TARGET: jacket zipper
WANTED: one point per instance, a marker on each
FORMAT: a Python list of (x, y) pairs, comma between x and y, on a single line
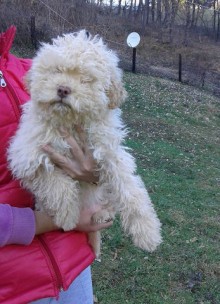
[(15, 103), (56, 271), (4, 83), (2, 80)]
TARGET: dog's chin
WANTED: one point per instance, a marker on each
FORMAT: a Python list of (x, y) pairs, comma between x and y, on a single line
[(60, 106)]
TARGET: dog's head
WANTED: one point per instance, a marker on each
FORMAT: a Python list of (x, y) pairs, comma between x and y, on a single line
[(76, 72)]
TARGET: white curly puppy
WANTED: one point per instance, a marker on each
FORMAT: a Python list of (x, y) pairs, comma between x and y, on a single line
[(76, 80)]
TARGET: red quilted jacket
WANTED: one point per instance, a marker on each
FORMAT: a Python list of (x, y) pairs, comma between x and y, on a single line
[(53, 260)]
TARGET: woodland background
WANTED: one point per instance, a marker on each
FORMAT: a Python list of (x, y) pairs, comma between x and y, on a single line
[(167, 28)]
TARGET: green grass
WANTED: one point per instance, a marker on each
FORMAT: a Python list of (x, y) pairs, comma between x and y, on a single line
[(174, 136)]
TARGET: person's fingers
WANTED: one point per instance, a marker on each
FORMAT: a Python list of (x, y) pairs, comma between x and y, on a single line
[(69, 166), (80, 151), (97, 227), (81, 134), (75, 148), (82, 137), (56, 157)]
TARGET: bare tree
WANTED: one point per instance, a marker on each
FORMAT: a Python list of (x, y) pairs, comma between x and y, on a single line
[(131, 8), (111, 5), (174, 10), (159, 11), (119, 7), (140, 8), (166, 12), (193, 14), (187, 23), (218, 27)]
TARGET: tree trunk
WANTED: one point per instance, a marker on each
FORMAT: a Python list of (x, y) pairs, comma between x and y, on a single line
[(218, 27), (159, 13), (140, 8), (131, 8), (153, 10), (187, 25), (144, 19), (147, 5), (193, 14), (166, 12), (174, 10), (110, 5), (119, 7)]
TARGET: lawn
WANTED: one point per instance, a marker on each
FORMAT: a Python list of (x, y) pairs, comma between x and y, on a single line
[(174, 135)]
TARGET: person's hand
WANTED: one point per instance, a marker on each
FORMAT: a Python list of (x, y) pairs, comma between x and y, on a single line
[(44, 223), (86, 222), (82, 165)]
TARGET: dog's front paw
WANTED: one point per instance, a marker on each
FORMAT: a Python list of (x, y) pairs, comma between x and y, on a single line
[(103, 216)]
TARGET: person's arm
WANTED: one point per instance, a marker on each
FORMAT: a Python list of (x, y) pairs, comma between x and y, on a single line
[(44, 223), (17, 225), (20, 225)]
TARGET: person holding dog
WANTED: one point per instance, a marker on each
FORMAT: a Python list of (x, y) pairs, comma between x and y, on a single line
[(39, 263), (14, 220)]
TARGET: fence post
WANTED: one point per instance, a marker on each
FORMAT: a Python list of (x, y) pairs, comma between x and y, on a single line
[(33, 32), (203, 78), (180, 68), (134, 60)]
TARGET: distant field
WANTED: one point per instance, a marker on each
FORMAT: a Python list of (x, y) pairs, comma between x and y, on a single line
[(174, 135)]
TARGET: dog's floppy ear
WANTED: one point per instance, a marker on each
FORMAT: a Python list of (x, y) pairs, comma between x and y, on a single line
[(116, 94)]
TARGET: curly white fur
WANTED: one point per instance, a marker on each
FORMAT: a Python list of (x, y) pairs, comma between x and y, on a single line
[(88, 71)]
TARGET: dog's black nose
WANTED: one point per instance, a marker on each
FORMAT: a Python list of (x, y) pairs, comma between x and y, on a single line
[(63, 91)]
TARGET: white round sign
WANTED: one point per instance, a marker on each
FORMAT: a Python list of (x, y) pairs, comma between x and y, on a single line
[(133, 39)]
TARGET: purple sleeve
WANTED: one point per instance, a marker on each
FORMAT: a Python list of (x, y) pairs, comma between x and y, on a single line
[(17, 225)]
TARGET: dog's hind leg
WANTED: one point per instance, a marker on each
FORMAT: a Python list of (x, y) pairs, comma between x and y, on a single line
[(138, 216), (137, 213), (95, 242)]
